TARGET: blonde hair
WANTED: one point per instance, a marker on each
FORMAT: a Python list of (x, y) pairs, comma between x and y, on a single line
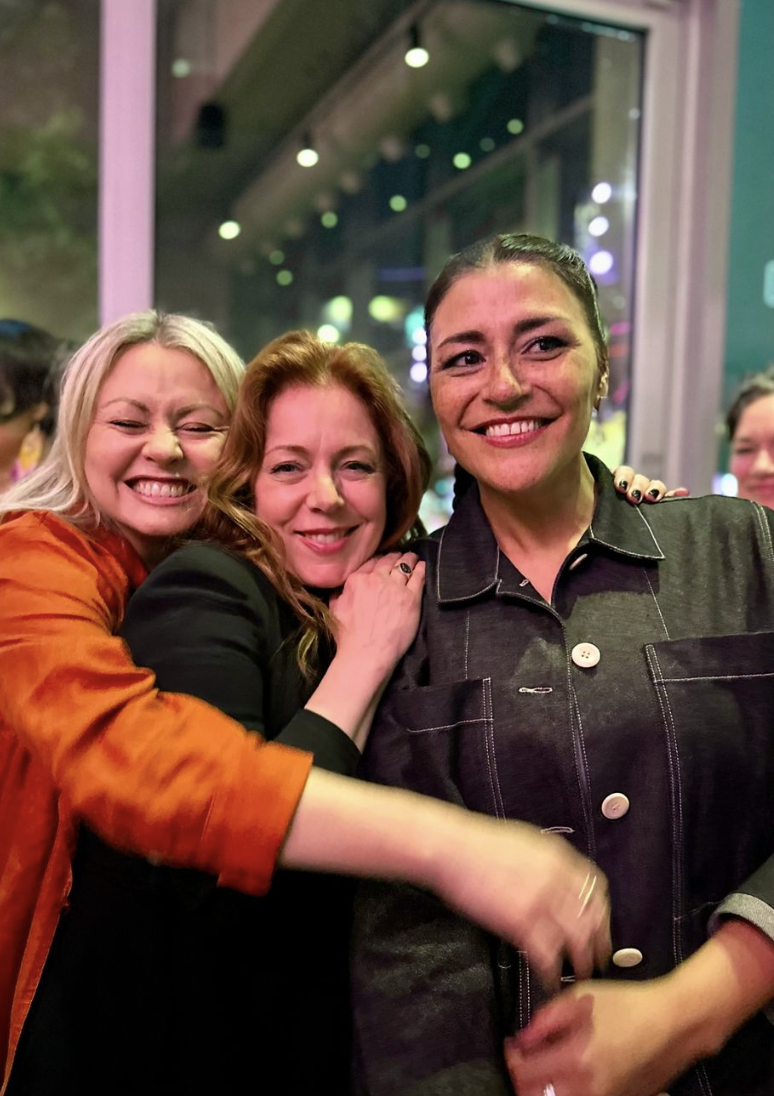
[(59, 486), (300, 358)]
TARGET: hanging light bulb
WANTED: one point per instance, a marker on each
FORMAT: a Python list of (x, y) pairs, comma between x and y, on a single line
[(416, 56), (307, 155)]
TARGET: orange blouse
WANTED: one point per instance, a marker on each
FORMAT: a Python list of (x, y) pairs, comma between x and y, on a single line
[(85, 735)]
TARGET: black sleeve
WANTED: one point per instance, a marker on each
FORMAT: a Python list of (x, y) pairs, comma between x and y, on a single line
[(207, 624)]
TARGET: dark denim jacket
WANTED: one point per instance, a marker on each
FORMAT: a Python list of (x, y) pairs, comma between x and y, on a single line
[(502, 705)]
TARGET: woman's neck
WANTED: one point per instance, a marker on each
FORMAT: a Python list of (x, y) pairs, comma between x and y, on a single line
[(537, 528)]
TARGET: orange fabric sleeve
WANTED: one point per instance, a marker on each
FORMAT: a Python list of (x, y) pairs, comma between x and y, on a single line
[(152, 773)]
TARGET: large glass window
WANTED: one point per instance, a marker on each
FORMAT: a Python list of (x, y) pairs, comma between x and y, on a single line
[(519, 120), (49, 65)]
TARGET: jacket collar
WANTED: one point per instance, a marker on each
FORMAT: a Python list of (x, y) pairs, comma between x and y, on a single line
[(469, 562)]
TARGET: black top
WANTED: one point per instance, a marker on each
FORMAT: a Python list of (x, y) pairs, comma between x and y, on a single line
[(634, 714), (159, 981)]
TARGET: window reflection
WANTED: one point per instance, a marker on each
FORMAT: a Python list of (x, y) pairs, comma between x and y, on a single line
[(519, 120), (49, 63)]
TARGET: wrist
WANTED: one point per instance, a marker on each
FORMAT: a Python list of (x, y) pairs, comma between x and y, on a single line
[(692, 1015), (722, 985), (432, 828), (369, 665)]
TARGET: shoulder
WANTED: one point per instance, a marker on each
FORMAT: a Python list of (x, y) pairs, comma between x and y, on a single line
[(211, 568), (717, 523), (426, 548), (715, 509), (46, 552)]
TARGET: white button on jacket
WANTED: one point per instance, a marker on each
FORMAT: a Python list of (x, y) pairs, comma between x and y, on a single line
[(627, 957), (615, 805), (585, 655)]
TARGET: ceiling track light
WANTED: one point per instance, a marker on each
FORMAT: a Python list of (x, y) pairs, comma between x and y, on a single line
[(416, 56), (307, 155)]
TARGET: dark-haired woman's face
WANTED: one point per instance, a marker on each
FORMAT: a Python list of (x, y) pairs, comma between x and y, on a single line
[(14, 428), (514, 376), (752, 452)]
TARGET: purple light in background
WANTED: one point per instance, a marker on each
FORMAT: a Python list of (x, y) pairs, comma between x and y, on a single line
[(601, 262)]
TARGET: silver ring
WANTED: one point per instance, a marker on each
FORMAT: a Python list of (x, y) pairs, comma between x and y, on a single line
[(549, 1090), (586, 891), (405, 568)]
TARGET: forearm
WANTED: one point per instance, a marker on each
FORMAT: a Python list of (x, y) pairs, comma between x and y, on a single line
[(721, 986), (348, 695), (354, 828)]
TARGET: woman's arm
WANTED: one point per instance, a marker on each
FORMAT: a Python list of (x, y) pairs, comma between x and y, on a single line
[(515, 881), (634, 1039), (148, 772), (167, 774), (376, 616), (210, 624), (207, 620)]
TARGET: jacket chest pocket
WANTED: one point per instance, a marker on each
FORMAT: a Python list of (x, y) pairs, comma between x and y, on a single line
[(446, 743), (716, 698)]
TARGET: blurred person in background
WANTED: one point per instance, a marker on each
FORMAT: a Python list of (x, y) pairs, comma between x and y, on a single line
[(31, 364), (750, 424)]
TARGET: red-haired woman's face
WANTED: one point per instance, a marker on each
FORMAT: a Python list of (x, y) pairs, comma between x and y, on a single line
[(321, 485)]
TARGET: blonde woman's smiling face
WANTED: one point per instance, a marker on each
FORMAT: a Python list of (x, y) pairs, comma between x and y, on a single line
[(159, 426), (321, 484)]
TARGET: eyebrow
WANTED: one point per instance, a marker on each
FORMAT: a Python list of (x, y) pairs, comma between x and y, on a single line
[(302, 451), (180, 412), (523, 327)]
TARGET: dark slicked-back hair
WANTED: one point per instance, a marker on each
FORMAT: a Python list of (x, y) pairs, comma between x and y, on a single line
[(522, 248)]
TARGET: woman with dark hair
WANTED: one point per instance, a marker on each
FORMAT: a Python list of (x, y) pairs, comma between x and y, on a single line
[(29, 372), (595, 671), (161, 979), (750, 425)]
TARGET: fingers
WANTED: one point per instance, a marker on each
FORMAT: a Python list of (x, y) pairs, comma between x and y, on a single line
[(369, 566), (654, 491), (631, 484), (385, 562), (588, 926), (404, 566), (554, 1020), (638, 488), (622, 478), (603, 943), (417, 581), (575, 925), (548, 1055), (544, 949)]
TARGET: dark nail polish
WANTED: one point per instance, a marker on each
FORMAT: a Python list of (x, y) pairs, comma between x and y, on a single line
[(654, 493), (636, 495), (623, 485)]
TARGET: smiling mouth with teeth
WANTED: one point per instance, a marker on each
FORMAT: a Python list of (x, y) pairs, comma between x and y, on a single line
[(162, 489), (511, 429), (328, 537)]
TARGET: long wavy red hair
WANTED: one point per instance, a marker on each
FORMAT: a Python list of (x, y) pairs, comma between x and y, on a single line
[(301, 358)]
